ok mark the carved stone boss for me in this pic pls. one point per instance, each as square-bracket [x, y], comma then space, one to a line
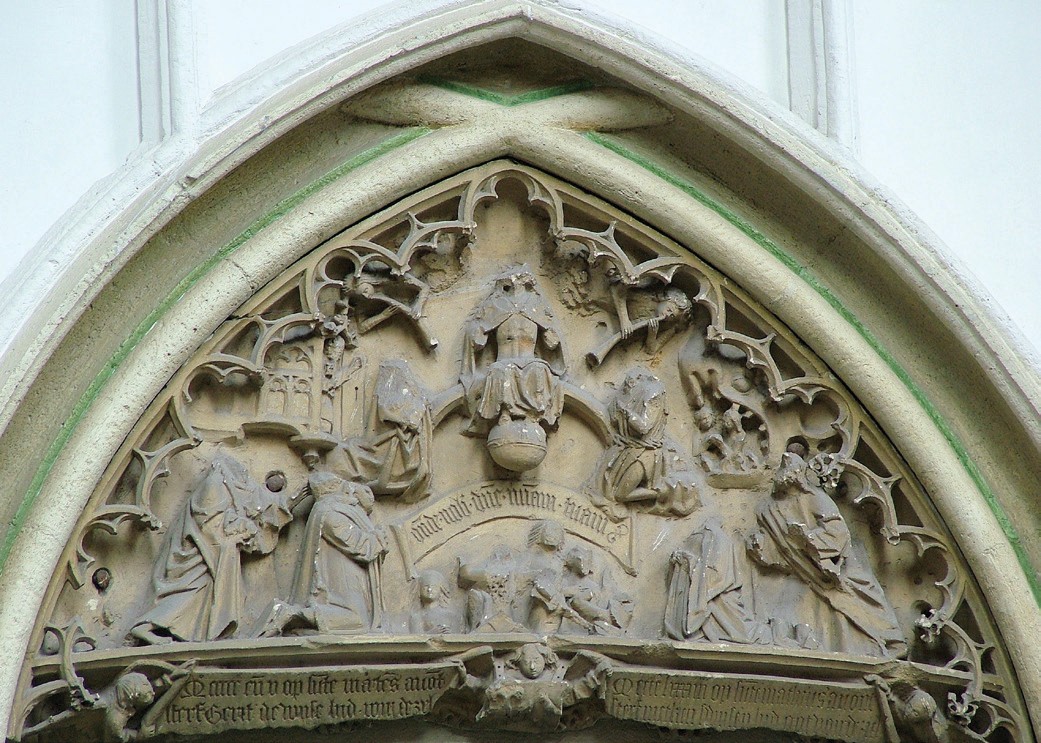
[506, 440]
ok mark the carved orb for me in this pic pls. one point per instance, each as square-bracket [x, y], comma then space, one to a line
[517, 445]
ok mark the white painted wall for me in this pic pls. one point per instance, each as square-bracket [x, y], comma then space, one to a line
[68, 110]
[948, 94]
[937, 98]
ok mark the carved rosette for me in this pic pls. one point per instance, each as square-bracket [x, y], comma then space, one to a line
[547, 467]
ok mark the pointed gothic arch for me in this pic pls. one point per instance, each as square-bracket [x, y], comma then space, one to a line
[757, 199]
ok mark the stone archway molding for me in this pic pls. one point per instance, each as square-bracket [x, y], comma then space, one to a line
[121, 373]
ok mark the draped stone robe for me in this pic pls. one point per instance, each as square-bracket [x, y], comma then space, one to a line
[339, 571]
[848, 611]
[199, 594]
[705, 600]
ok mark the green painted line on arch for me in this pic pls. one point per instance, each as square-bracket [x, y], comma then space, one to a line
[193, 277]
[474, 91]
[803, 273]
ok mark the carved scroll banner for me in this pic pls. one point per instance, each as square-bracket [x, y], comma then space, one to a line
[215, 700]
[450, 516]
[692, 700]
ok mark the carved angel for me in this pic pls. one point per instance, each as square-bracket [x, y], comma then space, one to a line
[373, 294]
[662, 311]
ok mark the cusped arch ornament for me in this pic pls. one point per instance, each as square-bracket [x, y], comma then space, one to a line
[688, 155]
[503, 457]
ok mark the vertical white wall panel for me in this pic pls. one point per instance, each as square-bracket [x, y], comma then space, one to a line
[949, 103]
[68, 109]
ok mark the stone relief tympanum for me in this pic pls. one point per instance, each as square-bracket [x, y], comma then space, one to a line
[502, 457]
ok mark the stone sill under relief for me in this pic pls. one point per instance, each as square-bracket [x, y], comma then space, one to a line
[319, 650]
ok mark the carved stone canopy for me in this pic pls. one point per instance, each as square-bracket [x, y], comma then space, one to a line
[503, 457]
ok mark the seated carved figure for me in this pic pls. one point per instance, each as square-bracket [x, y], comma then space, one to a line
[644, 466]
[705, 600]
[434, 615]
[512, 367]
[803, 535]
[198, 582]
[393, 457]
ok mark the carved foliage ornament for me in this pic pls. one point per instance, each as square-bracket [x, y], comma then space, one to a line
[549, 468]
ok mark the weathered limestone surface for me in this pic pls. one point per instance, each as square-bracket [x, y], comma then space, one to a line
[502, 457]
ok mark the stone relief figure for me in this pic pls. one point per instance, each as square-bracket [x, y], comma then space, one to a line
[393, 457]
[434, 616]
[132, 693]
[546, 565]
[643, 466]
[338, 586]
[121, 709]
[198, 581]
[728, 444]
[491, 592]
[705, 600]
[662, 312]
[734, 438]
[512, 369]
[530, 688]
[376, 294]
[594, 606]
[338, 334]
[803, 535]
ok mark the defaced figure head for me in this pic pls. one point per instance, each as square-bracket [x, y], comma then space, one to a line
[579, 561]
[547, 534]
[325, 484]
[362, 493]
[639, 407]
[515, 281]
[433, 588]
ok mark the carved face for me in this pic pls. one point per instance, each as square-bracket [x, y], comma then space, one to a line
[580, 562]
[432, 587]
[531, 662]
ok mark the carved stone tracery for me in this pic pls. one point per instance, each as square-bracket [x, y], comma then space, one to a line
[610, 444]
